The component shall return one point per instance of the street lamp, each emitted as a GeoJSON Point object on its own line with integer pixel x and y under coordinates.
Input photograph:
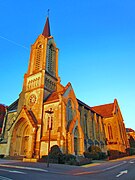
{"type": "Point", "coordinates": [49, 112]}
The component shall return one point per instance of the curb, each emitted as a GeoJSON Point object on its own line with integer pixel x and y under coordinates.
{"type": "Point", "coordinates": [98, 171]}
{"type": "Point", "coordinates": [30, 168]}
{"type": "Point", "coordinates": [22, 167]}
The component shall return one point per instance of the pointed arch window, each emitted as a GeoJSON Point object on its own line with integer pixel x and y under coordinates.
{"type": "Point", "coordinates": [38, 56]}
{"type": "Point", "coordinates": [110, 133]}
{"type": "Point", "coordinates": [76, 140]}
{"type": "Point", "coordinates": [85, 125]}
{"type": "Point", "coordinates": [69, 110]}
{"type": "Point", "coordinates": [93, 125]}
{"type": "Point", "coordinates": [51, 55]}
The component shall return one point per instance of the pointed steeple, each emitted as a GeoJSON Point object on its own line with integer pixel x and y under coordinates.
{"type": "Point", "coordinates": [46, 31]}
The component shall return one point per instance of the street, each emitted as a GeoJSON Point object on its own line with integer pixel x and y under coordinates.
{"type": "Point", "coordinates": [122, 169]}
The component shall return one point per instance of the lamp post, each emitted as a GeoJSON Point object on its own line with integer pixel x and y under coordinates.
{"type": "Point", "coordinates": [49, 112]}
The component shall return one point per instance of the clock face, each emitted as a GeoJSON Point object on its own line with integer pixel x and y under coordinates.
{"type": "Point", "coordinates": [32, 99]}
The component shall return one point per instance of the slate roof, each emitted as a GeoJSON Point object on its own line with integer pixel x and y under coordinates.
{"type": "Point", "coordinates": [86, 106]}
{"type": "Point", "coordinates": [32, 117]}
{"type": "Point", "coordinates": [83, 104]}
{"type": "Point", "coordinates": [129, 130]}
{"type": "Point", "coordinates": [13, 106]}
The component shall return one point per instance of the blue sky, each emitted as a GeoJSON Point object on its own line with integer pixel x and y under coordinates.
{"type": "Point", "coordinates": [96, 41]}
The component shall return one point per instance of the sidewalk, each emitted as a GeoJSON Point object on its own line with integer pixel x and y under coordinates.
{"type": "Point", "coordinates": [53, 168]}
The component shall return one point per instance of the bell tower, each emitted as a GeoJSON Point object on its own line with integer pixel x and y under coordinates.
{"type": "Point", "coordinates": [42, 75]}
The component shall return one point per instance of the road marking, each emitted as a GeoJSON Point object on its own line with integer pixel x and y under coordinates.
{"type": "Point", "coordinates": [22, 167]}
{"type": "Point", "coordinates": [4, 170]}
{"type": "Point", "coordinates": [4, 178]}
{"type": "Point", "coordinates": [131, 162]}
{"type": "Point", "coordinates": [122, 172]}
{"type": "Point", "coordinates": [89, 165]}
{"type": "Point", "coordinates": [17, 172]}
{"type": "Point", "coordinates": [12, 171]}
{"type": "Point", "coordinates": [112, 167]}
{"type": "Point", "coordinates": [98, 171]}
{"type": "Point", "coordinates": [86, 172]}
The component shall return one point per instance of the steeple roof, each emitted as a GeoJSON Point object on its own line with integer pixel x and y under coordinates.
{"type": "Point", "coordinates": [46, 31]}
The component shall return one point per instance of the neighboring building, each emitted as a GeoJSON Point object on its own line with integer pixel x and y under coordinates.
{"type": "Point", "coordinates": [114, 126]}
{"type": "Point", "coordinates": [130, 132]}
{"type": "Point", "coordinates": [45, 104]}
{"type": "Point", "coordinates": [2, 116]}
{"type": "Point", "coordinates": [131, 137]}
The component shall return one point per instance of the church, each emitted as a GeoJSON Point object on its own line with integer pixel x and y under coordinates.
{"type": "Point", "coordinates": [48, 113]}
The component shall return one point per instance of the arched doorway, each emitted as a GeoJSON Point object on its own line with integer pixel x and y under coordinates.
{"type": "Point", "coordinates": [76, 141]}
{"type": "Point", "coordinates": [25, 141]}
{"type": "Point", "coordinates": [20, 139]}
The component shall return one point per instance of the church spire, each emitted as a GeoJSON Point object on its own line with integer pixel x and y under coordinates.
{"type": "Point", "coordinates": [46, 32]}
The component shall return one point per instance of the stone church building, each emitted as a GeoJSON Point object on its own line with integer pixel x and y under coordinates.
{"type": "Point", "coordinates": [47, 109]}
{"type": "Point", "coordinates": [115, 131]}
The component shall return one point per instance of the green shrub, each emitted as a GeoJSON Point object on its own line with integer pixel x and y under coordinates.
{"type": "Point", "coordinates": [55, 151]}
{"type": "Point", "coordinates": [70, 159]}
{"type": "Point", "coordinates": [61, 159]}
{"type": "Point", "coordinates": [1, 156]}
{"type": "Point", "coordinates": [132, 151]}
{"type": "Point", "coordinates": [102, 155]}
{"type": "Point", "coordinates": [95, 153]}
{"type": "Point", "coordinates": [91, 155]}
{"type": "Point", "coordinates": [94, 149]}
{"type": "Point", "coordinates": [87, 154]}
{"type": "Point", "coordinates": [56, 156]}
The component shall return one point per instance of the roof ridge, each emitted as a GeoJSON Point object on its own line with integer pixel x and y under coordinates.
{"type": "Point", "coordinates": [103, 105]}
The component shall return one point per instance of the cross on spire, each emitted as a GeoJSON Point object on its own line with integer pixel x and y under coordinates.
{"type": "Point", "coordinates": [48, 12]}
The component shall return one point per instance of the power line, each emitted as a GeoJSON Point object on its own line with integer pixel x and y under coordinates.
{"type": "Point", "coordinates": [13, 42]}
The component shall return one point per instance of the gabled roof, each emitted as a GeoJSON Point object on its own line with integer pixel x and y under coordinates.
{"type": "Point", "coordinates": [31, 117]}
{"type": "Point", "coordinates": [46, 32]}
{"type": "Point", "coordinates": [129, 130]}
{"type": "Point", "coordinates": [105, 110]}
{"type": "Point", "coordinates": [55, 95]}
{"type": "Point", "coordinates": [83, 104]}
{"type": "Point", "coordinates": [13, 106]}
{"type": "Point", "coordinates": [86, 106]}
{"type": "Point", "coordinates": [29, 114]}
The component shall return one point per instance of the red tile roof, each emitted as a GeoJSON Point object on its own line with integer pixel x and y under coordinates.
{"type": "Point", "coordinates": [105, 110]}
{"type": "Point", "coordinates": [53, 96]}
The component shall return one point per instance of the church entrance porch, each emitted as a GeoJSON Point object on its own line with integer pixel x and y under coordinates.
{"type": "Point", "coordinates": [22, 142]}
{"type": "Point", "coordinates": [75, 142]}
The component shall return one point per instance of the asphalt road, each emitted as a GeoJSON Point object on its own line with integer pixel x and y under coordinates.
{"type": "Point", "coordinates": [122, 169]}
